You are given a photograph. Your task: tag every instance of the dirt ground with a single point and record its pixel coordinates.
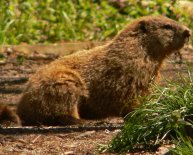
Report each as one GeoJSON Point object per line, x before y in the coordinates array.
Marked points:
{"type": "Point", "coordinates": [17, 63]}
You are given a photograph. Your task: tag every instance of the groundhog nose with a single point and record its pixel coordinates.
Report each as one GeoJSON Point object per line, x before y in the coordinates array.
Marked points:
{"type": "Point", "coordinates": [186, 33]}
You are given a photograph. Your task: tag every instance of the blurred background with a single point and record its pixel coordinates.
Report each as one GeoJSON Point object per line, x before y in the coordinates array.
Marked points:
{"type": "Point", "coordinates": [51, 21]}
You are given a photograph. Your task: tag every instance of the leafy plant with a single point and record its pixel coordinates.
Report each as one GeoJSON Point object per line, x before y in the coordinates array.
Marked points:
{"type": "Point", "coordinates": [33, 21]}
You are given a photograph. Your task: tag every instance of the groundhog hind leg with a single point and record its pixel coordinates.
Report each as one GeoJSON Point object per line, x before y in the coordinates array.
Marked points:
{"type": "Point", "coordinates": [52, 98]}
{"type": "Point", "coordinates": [62, 105]}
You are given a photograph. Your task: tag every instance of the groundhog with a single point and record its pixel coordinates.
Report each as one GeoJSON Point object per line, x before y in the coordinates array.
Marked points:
{"type": "Point", "coordinates": [8, 117]}
{"type": "Point", "coordinates": [103, 81]}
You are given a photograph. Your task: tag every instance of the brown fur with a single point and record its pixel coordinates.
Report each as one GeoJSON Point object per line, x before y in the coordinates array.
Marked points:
{"type": "Point", "coordinates": [103, 81]}
{"type": "Point", "coordinates": [8, 117]}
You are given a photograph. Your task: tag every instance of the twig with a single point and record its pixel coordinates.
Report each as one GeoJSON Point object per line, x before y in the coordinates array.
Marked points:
{"type": "Point", "coordinates": [35, 139]}
{"type": "Point", "coordinates": [67, 129]}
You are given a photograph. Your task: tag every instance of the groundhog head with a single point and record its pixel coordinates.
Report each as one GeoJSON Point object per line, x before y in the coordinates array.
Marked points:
{"type": "Point", "coordinates": [164, 31]}
{"type": "Point", "coordinates": [159, 36]}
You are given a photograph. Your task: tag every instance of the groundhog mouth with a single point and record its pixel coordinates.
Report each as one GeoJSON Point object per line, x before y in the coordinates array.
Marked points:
{"type": "Point", "coordinates": [187, 39]}
{"type": "Point", "coordinates": [186, 35]}
{"type": "Point", "coordinates": [184, 39]}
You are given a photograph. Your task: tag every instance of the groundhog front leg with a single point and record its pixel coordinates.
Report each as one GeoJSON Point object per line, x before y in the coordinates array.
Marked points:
{"type": "Point", "coordinates": [52, 97]}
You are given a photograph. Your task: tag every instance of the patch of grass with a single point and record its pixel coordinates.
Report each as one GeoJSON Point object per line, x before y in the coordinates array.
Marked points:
{"type": "Point", "coordinates": [165, 113]}
{"type": "Point", "coordinates": [184, 145]}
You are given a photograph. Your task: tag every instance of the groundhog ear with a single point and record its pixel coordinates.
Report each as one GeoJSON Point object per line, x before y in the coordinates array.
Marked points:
{"type": "Point", "coordinates": [143, 26]}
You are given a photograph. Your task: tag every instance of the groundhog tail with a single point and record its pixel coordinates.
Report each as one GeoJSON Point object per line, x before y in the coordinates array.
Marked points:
{"type": "Point", "coordinates": [8, 117]}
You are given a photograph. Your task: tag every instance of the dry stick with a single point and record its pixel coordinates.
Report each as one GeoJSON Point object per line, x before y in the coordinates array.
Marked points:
{"type": "Point", "coordinates": [35, 139]}
{"type": "Point", "coordinates": [67, 129]}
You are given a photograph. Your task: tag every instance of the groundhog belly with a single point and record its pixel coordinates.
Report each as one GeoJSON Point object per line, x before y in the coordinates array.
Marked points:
{"type": "Point", "coordinates": [108, 96]}
{"type": "Point", "coordinates": [100, 105]}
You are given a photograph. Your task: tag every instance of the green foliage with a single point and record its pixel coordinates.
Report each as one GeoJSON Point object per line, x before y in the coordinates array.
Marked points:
{"type": "Point", "coordinates": [163, 114]}
{"type": "Point", "coordinates": [33, 21]}
{"type": "Point", "coordinates": [184, 145]}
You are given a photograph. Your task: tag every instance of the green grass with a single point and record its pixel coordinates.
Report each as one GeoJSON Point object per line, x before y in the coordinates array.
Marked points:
{"type": "Point", "coordinates": [163, 115]}
{"type": "Point", "coordinates": [183, 145]}
{"type": "Point", "coordinates": [34, 21]}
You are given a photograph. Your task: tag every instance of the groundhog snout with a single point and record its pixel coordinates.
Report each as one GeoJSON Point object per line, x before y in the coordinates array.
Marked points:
{"type": "Point", "coordinates": [186, 33]}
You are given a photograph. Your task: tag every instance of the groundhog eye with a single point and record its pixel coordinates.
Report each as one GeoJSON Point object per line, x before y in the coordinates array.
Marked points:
{"type": "Point", "coordinates": [167, 26]}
